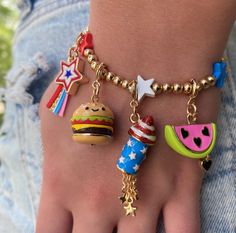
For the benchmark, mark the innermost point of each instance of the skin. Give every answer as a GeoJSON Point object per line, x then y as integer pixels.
{"type": "Point", "coordinates": [171, 41]}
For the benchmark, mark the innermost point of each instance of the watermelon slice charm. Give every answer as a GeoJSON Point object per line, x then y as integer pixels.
{"type": "Point", "coordinates": [194, 141]}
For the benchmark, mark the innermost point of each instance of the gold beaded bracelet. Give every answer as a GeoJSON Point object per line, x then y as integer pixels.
{"type": "Point", "coordinates": [103, 73]}
{"type": "Point", "coordinates": [93, 122]}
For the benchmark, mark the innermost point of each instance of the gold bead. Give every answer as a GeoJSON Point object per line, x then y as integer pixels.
{"type": "Point", "coordinates": [110, 76]}
{"type": "Point", "coordinates": [125, 83]}
{"type": "Point", "coordinates": [157, 88]}
{"type": "Point", "coordinates": [167, 87]}
{"type": "Point", "coordinates": [101, 71]}
{"type": "Point", "coordinates": [91, 58]}
{"type": "Point", "coordinates": [104, 73]}
{"type": "Point", "coordinates": [177, 88]}
{"type": "Point", "coordinates": [204, 83]}
{"type": "Point", "coordinates": [132, 86]}
{"type": "Point", "coordinates": [94, 65]}
{"type": "Point", "coordinates": [211, 80]}
{"type": "Point", "coordinates": [88, 52]}
{"type": "Point", "coordinates": [116, 80]}
{"type": "Point", "coordinates": [199, 86]}
{"type": "Point", "coordinates": [187, 88]}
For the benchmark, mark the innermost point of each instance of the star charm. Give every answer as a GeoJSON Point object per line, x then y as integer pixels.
{"type": "Point", "coordinates": [220, 73]}
{"type": "Point", "coordinates": [136, 167]}
{"type": "Point", "coordinates": [87, 42]}
{"type": "Point", "coordinates": [129, 143]}
{"type": "Point", "coordinates": [144, 88]}
{"type": "Point", "coordinates": [132, 155]}
{"type": "Point", "coordinates": [122, 159]}
{"type": "Point", "coordinates": [122, 199]}
{"type": "Point", "coordinates": [70, 74]}
{"type": "Point", "coordinates": [130, 210]}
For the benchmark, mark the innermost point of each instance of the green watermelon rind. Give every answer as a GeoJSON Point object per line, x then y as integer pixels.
{"type": "Point", "coordinates": [174, 142]}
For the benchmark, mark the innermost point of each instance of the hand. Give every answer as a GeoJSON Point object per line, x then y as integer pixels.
{"type": "Point", "coordinates": [81, 183]}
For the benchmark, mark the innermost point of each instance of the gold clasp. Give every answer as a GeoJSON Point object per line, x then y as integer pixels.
{"type": "Point", "coordinates": [96, 89]}
{"type": "Point", "coordinates": [191, 105]}
{"type": "Point", "coordinates": [134, 117]}
{"type": "Point", "coordinates": [73, 53]}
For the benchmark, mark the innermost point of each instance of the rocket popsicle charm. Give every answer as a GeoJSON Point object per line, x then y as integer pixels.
{"type": "Point", "coordinates": [142, 134]}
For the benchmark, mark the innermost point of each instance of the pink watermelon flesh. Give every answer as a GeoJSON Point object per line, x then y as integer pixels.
{"type": "Point", "coordinates": [195, 137]}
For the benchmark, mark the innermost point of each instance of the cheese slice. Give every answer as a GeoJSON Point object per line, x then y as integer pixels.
{"type": "Point", "coordinates": [81, 126]}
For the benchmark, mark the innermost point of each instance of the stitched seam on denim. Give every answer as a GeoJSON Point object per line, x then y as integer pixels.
{"type": "Point", "coordinates": [36, 14]}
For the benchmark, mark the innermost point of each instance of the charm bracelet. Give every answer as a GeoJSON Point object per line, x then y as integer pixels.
{"type": "Point", "coordinates": [92, 122]}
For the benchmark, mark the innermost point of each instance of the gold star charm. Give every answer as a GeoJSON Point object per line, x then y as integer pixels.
{"type": "Point", "coordinates": [130, 210]}
{"type": "Point", "coordinates": [123, 199]}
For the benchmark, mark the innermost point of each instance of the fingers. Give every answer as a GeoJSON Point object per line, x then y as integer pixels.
{"type": "Point", "coordinates": [85, 223]}
{"type": "Point", "coordinates": [181, 211]}
{"type": "Point", "coordinates": [53, 218]}
{"type": "Point", "coordinates": [88, 227]}
{"type": "Point", "coordinates": [94, 214]}
{"type": "Point", "coordinates": [182, 216]}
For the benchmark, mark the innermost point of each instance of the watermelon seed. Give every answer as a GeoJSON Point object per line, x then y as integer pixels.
{"type": "Point", "coordinates": [197, 141]}
{"type": "Point", "coordinates": [205, 131]}
{"type": "Point", "coordinates": [184, 133]}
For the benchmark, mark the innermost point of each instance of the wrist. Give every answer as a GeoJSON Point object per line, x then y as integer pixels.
{"type": "Point", "coordinates": [168, 50]}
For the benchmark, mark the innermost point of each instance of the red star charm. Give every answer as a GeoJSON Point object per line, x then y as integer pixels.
{"type": "Point", "coordinates": [87, 42]}
{"type": "Point", "coordinates": [70, 74]}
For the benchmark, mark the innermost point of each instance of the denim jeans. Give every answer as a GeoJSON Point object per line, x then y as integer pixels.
{"type": "Point", "coordinates": [47, 29]}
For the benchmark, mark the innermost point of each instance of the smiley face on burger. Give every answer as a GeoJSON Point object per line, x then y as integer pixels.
{"type": "Point", "coordinates": [92, 123]}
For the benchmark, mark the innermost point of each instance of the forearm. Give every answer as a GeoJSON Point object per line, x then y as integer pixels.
{"type": "Point", "coordinates": [166, 40]}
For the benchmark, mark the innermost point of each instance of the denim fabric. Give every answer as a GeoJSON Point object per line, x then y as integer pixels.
{"type": "Point", "coordinates": [46, 31]}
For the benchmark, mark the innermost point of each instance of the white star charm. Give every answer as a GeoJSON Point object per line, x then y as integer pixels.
{"type": "Point", "coordinates": [144, 88]}
{"type": "Point", "coordinates": [132, 155]}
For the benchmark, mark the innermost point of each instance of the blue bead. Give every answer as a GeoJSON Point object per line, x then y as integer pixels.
{"type": "Point", "coordinates": [132, 156]}
{"type": "Point", "coordinates": [220, 73]}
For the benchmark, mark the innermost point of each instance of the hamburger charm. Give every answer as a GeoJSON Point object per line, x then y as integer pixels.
{"type": "Point", "coordinates": [92, 123]}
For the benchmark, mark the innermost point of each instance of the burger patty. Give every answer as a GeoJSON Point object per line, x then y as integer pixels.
{"type": "Point", "coordinates": [93, 130]}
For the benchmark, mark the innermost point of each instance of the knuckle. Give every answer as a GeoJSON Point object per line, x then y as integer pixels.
{"type": "Point", "coordinates": [97, 196]}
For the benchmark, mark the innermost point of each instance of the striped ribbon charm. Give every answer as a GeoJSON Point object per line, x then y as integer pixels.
{"type": "Point", "coordinates": [57, 103]}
